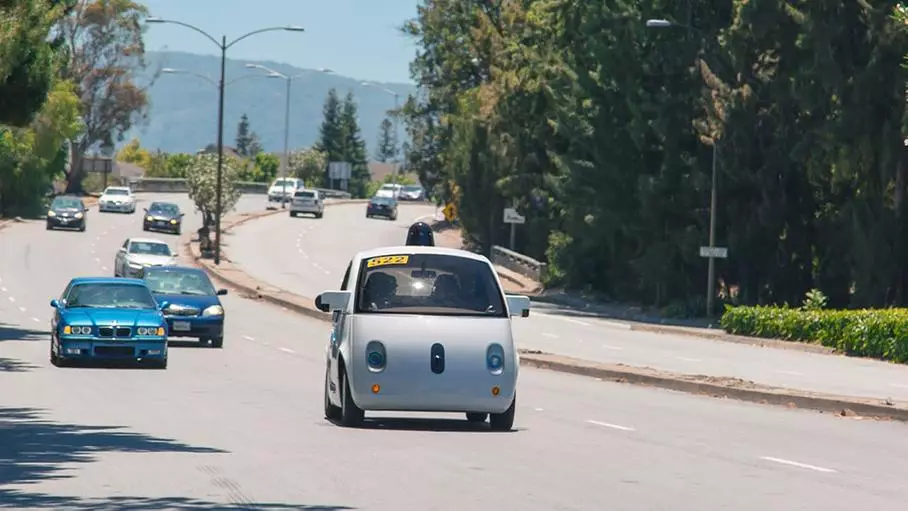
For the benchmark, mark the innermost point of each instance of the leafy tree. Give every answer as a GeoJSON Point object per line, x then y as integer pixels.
{"type": "Point", "coordinates": [267, 166]}
{"type": "Point", "coordinates": [247, 142]}
{"type": "Point", "coordinates": [387, 147]}
{"type": "Point", "coordinates": [32, 157]}
{"type": "Point", "coordinates": [104, 38]}
{"type": "Point", "coordinates": [331, 138]}
{"type": "Point", "coordinates": [28, 58]}
{"type": "Point", "coordinates": [201, 179]}
{"type": "Point", "coordinates": [354, 148]}
{"type": "Point", "coordinates": [134, 153]}
{"type": "Point", "coordinates": [309, 165]}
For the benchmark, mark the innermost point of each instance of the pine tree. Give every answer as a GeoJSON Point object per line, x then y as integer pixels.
{"type": "Point", "coordinates": [354, 148]}
{"type": "Point", "coordinates": [387, 146]}
{"type": "Point", "coordinates": [330, 139]}
{"type": "Point", "coordinates": [247, 142]}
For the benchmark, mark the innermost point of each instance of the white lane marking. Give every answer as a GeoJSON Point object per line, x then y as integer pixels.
{"type": "Point", "coordinates": [792, 373]}
{"type": "Point", "coordinates": [612, 426]}
{"type": "Point", "coordinates": [550, 336]}
{"type": "Point", "coordinates": [798, 464]}
{"type": "Point", "coordinates": [248, 338]}
{"type": "Point", "coordinates": [36, 320]}
{"type": "Point", "coordinates": [104, 268]}
{"type": "Point", "coordinates": [1, 279]}
{"type": "Point", "coordinates": [899, 385]}
{"type": "Point", "coordinates": [688, 359]}
{"type": "Point", "coordinates": [287, 350]}
{"type": "Point", "coordinates": [3, 289]}
{"type": "Point", "coordinates": [562, 318]}
{"type": "Point", "coordinates": [97, 260]}
{"type": "Point", "coordinates": [12, 299]}
{"type": "Point", "coordinates": [613, 348]}
{"type": "Point", "coordinates": [539, 409]}
{"type": "Point", "coordinates": [322, 268]}
{"type": "Point", "coordinates": [22, 309]}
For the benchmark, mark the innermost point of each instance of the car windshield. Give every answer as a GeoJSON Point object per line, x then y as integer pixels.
{"type": "Point", "coordinates": [116, 191]}
{"type": "Point", "coordinates": [110, 296]}
{"type": "Point", "coordinates": [307, 194]}
{"type": "Point", "coordinates": [432, 284]}
{"type": "Point", "coordinates": [382, 201]}
{"type": "Point", "coordinates": [411, 188]}
{"type": "Point", "coordinates": [164, 209]}
{"type": "Point", "coordinates": [176, 282]}
{"type": "Point", "coordinates": [149, 248]}
{"type": "Point", "coordinates": [66, 203]}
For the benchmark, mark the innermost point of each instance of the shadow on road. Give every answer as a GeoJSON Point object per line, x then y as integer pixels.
{"type": "Point", "coordinates": [11, 365]}
{"type": "Point", "coordinates": [10, 332]}
{"type": "Point", "coordinates": [18, 500]}
{"type": "Point", "coordinates": [432, 425]}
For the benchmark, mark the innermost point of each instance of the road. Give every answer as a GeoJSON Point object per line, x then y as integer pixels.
{"type": "Point", "coordinates": [242, 427]}
{"type": "Point", "coordinates": [307, 256]}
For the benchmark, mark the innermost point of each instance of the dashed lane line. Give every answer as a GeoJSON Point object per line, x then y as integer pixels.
{"type": "Point", "coordinates": [610, 426]}
{"type": "Point", "coordinates": [798, 464]}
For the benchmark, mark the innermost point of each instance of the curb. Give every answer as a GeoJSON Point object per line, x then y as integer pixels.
{"type": "Point", "coordinates": [732, 388]}
{"type": "Point", "coordinates": [718, 387]}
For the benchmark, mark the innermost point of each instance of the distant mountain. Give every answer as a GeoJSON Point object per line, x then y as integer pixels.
{"type": "Point", "coordinates": [183, 111]}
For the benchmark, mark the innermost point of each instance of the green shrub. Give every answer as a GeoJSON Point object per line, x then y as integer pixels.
{"type": "Point", "coordinates": [878, 333]}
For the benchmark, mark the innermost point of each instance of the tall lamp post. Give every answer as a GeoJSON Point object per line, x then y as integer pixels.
{"type": "Point", "coordinates": [223, 45]}
{"type": "Point", "coordinates": [285, 161]}
{"type": "Point", "coordinates": [711, 272]}
{"type": "Point", "coordinates": [396, 116]}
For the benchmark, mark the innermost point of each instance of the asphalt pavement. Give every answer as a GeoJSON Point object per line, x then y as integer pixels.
{"type": "Point", "coordinates": [242, 427]}
{"type": "Point", "coordinates": [307, 256]}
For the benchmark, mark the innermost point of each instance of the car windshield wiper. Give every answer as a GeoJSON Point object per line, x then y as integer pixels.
{"type": "Point", "coordinates": [195, 293]}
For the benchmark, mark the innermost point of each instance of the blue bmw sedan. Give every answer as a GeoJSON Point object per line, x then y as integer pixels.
{"type": "Point", "coordinates": [193, 307]}
{"type": "Point", "coordinates": [105, 318]}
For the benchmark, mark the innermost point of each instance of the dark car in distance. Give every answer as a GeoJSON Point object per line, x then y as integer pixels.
{"type": "Point", "coordinates": [385, 207]}
{"type": "Point", "coordinates": [66, 212]}
{"type": "Point", "coordinates": [163, 217]}
{"type": "Point", "coordinates": [193, 307]}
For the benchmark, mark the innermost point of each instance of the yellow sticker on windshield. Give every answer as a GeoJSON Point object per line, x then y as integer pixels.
{"type": "Point", "coordinates": [386, 260]}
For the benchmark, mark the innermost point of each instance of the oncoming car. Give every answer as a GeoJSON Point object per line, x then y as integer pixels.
{"type": "Point", "coordinates": [193, 307]}
{"type": "Point", "coordinates": [136, 254]}
{"type": "Point", "coordinates": [104, 318]}
{"type": "Point", "coordinates": [421, 329]}
{"type": "Point", "coordinates": [117, 198]}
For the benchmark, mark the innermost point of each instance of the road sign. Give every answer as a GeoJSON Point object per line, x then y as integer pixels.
{"type": "Point", "coordinates": [511, 216]}
{"type": "Point", "coordinates": [339, 170]}
{"type": "Point", "coordinates": [97, 164]}
{"type": "Point", "coordinates": [450, 212]}
{"type": "Point", "coordinates": [714, 252]}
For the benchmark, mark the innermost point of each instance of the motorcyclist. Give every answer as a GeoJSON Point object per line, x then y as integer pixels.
{"type": "Point", "coordinates": [420, 234]}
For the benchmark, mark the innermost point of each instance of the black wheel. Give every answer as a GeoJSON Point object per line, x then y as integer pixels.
{"type": "Point", "coordinates": [50, 227]}
{"type": "Point", "coordinates": [332, 413]}
{"type": "Point", "coordinates": [351, 415]}
{"type": "Point", "coordinates": [159, 364]}
{"type": "Point", "coordinates": [144, 227]}
{"type": "Point", "coordinates": [319, 215]}
{"type": "Point", "coordinates": [178, 231]}
{"type": "Point", "coordinates": [82, 228]}
{"type": "Point", "coordinates": [54, 359]}
{"type": "Point", "coordinates": [504, 421]}
{"type": "Point", "coordinates": [217, 342]}
{"type": "Point", "coordinates": [476, 417]}
{"type": "Point", "coordinates": [292, 214]}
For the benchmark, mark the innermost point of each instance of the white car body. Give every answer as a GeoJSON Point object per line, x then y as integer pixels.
{"type": "Point", "coordinates": [436, 357]}
{"type": "Point", "coordinates": [307, 202]}
{"type": "Point", "coordinates": [283, 189]}
{"type": "Point", "coordinates": [132, 258]}
{"type": "Point", "coordinates": [117, 198]}
{"type": "Point", "coordinates": [389, 190]}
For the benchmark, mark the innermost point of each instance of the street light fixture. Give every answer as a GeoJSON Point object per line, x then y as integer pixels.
{"type": "Point", "coordinates": [396, 116]}
{"type": "Point", "coordinates": [285, 161]}
{"type": "Point", "coordinates": [223, 45]}
{"type": "Point", "coordinates": [174, 71]}
{"type": "Point", "coordinates": [711, 272]}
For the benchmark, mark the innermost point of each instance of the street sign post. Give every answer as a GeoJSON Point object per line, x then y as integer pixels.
{"type": "Point", "coordinates": [714, 252]}
{"type": "Point", "coordinates": [511, 216]}
{"type": "Point", "coordinates": [450, 212]}
{"type": "Point", "coordinates": [340, 171]}
{"type": "Point", "coordinates": [102, 164]}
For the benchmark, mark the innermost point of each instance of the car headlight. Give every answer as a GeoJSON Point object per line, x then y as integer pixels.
{"type": "Point", "coordinates": [78, 215]}
{"type": "Point", "coordinates": [51, 213]}
{"type": "Point", "coordinates": [150, 331]}
{"type": "Point", "coordinates": [135, 266]}
{"type": "Point", "coordinates": [214, 310]}
{"type": "Point", "coordinates": [495, 358]}
{"type": "Point", "coordinates": [173, 222]}
{"type": "Point", "coordinates": [76, 330]}
{"type": "Point", "coordinates": [149, 218]}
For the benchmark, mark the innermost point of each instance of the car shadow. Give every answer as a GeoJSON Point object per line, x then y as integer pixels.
{"type": "Point", "coordinates": [429, 425]}
{"type": "Point", "coordinates": [35, 449]}
{"type": "Point", "coordinates": [187, 343]}
{"type": "Point", "coordinates": [12, 365]}
{"type": "Point", "coordinates": [127, 364]}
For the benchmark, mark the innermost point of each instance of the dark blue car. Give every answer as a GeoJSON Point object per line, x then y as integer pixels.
{"type": "Point", "coordinates": [105, 318]}
{"type": "Point", "coordinates": [194, 309]}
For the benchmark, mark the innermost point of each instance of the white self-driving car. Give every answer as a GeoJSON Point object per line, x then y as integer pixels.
{"type": "Point", "coordinates": [421, 329]}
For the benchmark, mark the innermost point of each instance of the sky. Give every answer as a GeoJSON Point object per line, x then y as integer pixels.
{"type": "Point", "coordinates": [355, 38]}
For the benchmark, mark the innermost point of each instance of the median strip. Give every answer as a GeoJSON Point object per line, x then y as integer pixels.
{"type": "Point", "coordinates": [233, 276]}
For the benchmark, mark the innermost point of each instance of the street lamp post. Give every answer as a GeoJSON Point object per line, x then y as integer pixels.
{"type": "Point", "coordinates": [396, 116]}
{"type": "Point", "coordinates": [223, 45]}
{"type": "Point", "coordinates": [285, 161]}
{"type": "Point", "coordinates": [713, 200]}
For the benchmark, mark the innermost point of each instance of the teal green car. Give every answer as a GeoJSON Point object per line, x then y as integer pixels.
{"type": "Point", "coordinates": [108, 319]}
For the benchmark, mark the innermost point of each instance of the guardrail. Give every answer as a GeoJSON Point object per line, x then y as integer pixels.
{"type": "Point", "coordinates": [177, 185]}
{"type": "Point", "coordinates": [519, 263]}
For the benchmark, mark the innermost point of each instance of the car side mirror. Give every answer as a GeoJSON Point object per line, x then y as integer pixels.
{"type": "Point", "coordinates": [182, 215]}
{"type": "Point", "coordinates": [163, 305]}
{"type": "Point", "coordinates": [518, 305]}
{"type": "Point", "coordinates": [330, 301]}
{"type": "Point", "coordinates": [222, 292]}
{"type": "Point", "coordinates": [145, 210]}
{"type": "Point", "coordinates": [55, 303]}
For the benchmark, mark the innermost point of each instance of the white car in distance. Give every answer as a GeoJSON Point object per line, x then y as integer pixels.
{"type": "Point", "coordinates": [117, 198]}
{"type": "Point", "coordinates": [283, 189]}
{"type": "Point", "coordinates": [389, 190]}
{"type": "Point", "coordinates": [421, 329]}
{"type": "Point", "coordinates": [136, 254]}
{"type": "Point", "coordinates": [307, 202]}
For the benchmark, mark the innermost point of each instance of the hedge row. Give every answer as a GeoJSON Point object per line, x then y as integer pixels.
{"type": "Point", "coordinates": [878, 333]}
